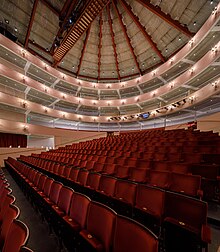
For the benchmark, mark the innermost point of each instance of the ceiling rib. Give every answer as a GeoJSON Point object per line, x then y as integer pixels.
{"type": "Point", "coordinates": [100, 45]}
{"type": "Point", "coordinates": [65, 6]}
{"type": "Point", "coordinates": [30, 23]}
{"type": "Point", "coordinates": [83, 50]}
{"type": "Point", "coordinates": [126, 36]}
{"type": "Point", "coordinates": [166, 17]}
{"type": "Point", "coordinates": [142, 29]}
{"type": "Point", "coordinates": [89, 13]}
{"type": "Point", "coordinates": [113, 40]}
{"type": "Point", "coordinates": [60, 31]}
{"type": "Point", "coordinates": [50, 7]}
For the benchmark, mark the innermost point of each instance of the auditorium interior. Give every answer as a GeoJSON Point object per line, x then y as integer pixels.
{"type": "Point", "coordinates": [109, 126]}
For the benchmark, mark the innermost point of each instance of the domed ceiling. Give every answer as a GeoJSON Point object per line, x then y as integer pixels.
{"type": "Point", "coordinates": [123, 39]}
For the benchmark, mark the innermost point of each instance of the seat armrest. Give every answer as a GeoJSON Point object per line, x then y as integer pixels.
{"type": "Point", "coordinates": [206, 234]}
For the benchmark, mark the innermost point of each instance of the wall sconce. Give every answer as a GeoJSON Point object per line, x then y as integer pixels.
{"type": "Point", "coordinates": [24, 104]}
{"type": "Point", "coordinates": [24, 80]}
{"type": "Point", "coordinates": [108, 103]}
{"type": "Point", "coordinates": [154, 73]}
{"type": "Point", "coordinates": [108, 86]}
{"type": "Point", "coordinates": [171, 60]}
{"type": "Point", "coordinates": [23, 52]}
{"type": "Point", "coordinates": [215, 85]}
{"type": "Point", "coordinates": [191, 99]}
{"type": "Point", "coordinates": [171, 85]}
{"type": "Point", "coordinates": [25, 128]}
{"type": "Point", "coordinates": [215, 49]}
{"type": "Point", "coordinates": [214, 12]}
{"type": "Point", "coordinates": [64, 116]}
{"type": "Point", "coordinates": [191, 42]}
{"type": "Point", "coordinates": [45, 110]}
{"type": "Point", "coordinates": [45, 89]}
{"type": "Point", "coordinates": [191, 70]}
{"type": "Point", "coordinates": [122, 85]}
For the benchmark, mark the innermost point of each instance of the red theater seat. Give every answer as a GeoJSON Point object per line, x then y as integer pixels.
{"type": "Point", "coordinates": [16, 237]}
{"type": "Point", "coordinates": [149, 206]}
{"type": "Point", "coordinates": [98, 234]}
{"type": "Point", "coordinates": [133, 237]}
{"type": "Point", "coordinates": [185, 223]}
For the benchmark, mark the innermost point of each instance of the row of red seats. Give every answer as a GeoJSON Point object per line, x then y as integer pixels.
{"type": "Point", "coordinates": [154, 207]}
{"type": "Point", "coordinates": [74, 215]}
{"type": "Point", "coordinates": [13, 232]}
{"type": "Point", "coordinates": [176, 182]}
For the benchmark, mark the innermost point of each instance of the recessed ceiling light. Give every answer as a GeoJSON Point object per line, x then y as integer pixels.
{"type": "Point", "coordinates": [211, 2]}
{"type": "Point", "coordinates": [194, 23]}
{"type": "Point", "coordinates": [154, 58]}
{"type": "Point", "coordinates": [47, 49]}
{"type": "Point", "coordinates": [180, 38]}
{"type": "Point", "coordinates": [166, 50]}
{"type": "Point", "coordinates": [6, 21]}
{"type": "Point", "coordinates": [16, 29]}
{"type": "Point", "coordinates": [15, 59]}
{"type": "Point", "coordinates": [73, 67]}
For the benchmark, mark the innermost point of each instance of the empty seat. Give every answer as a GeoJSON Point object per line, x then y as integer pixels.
{"type": "Point", "coordinates": [124, 197]}
{"type": "Point", "coordinates": [185, 223]}
{"type": "Point", "coordinates": [139, 175]}
{"type": "Point", "coordinates": [8, 217]}
{"type": "Point", "coordinates": [160, 179]}
{"type": "Point", "coordinates": [186, 184]}
{"type": "Point", "coordinates": [133, 237]}
{"type": "Point", "coordinates": [98, 234]}
{"type": "Point", "coordinates": [63, 203]}
{"type": "Point", "coordinates": [149, 206]}
{"type": "Point", "coordinates": [106, 188]}
{"type": "Point", "coordinates": [16, 237]}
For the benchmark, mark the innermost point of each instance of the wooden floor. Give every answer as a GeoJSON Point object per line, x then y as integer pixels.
{"type": "Point", "coordinates": [41, 241]}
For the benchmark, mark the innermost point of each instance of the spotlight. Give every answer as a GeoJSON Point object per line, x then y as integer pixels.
{"type": "Point", "coordinates": [6, 21]}
{"type": "Point", "coordinates": [16, 29]}
{"type": "Point", "coordinates": [194, 23]}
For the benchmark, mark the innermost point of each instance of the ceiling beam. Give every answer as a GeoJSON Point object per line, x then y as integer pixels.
{"type": "Point", "coordinates": [50, 7]}
{"type": "Point", "coordinates": [142, 29]}
{"type": "Point", "coordinates": [126, 36]}
{"type": "Point", "coordinates": [65, 6]}
{"type": "Point", "coordinates": [100, 46]}
{"type": "Point", "coordinates": [166, 17]}
{"type": "Point", "coordinates": [113, 40]}
{"type": "Point", "coordinates": [30, 23]}
{"type": "Point", "coordinates": [85, 17]}
{"type": "Point", "coordinates": [61, 30]}
{"type": "Point", "coordinates": [83, 50]}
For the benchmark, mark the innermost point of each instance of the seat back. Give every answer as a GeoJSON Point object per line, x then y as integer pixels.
{"type": "Point", "coordinates": [133, 237]}
{"type": "Point", "coordinates": [78, 208]}
{"type": "Point", "coordinates": [93, 180]}
{"type": "Point", "coordinates": [186, 211]}
{"type": "Point", "coordinates": [11, 214]}
{"type": "Point", "coordinates": [101, 223]}
{"type": "Point", "coordinates": [150, 200]}
{"type": "Point", "coordinates": [42, 182]}
{"type": "Point", "coordinates": [47, 186]}
{"type": "Point", "coordinates": [74, 174]}
{"type": "Point", "coordinates": [82, 177]}
{"type": "Point", "coordinates": [64, 199]}
{"type": "Point", "coordinates": [16, 237]}
{"type": "Point", "coordinates": [139, 175]}
{"type": "Point", "coordinates": [159, 179]}
{"type": "Point", "coordinates": [125, 191]}
{"type": "Point", "coordinates": [107, 185]}
{"type": "Point", "coordinates": [55, 191]}
{"type": "Point", "coordinates": [184, 183]}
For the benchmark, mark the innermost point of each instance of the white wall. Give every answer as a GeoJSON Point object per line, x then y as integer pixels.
{"type": "Point", "coordinates": [38, 142]}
